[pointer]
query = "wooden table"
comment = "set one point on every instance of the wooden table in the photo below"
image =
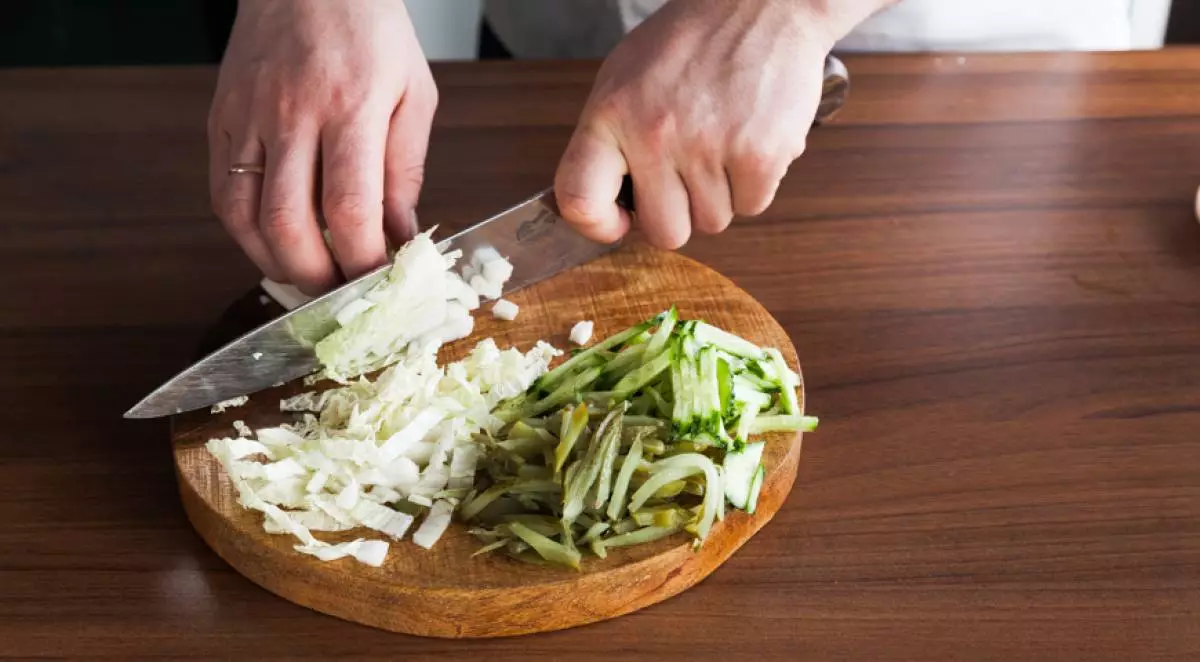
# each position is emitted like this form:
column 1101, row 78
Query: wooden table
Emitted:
column 989, row 265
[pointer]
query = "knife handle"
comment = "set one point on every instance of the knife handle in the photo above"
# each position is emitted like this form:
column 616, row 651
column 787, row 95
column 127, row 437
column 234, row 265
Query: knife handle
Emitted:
column 834, row 89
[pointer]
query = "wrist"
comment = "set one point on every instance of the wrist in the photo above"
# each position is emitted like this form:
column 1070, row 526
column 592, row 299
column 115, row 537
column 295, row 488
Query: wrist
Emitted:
column 828, row 21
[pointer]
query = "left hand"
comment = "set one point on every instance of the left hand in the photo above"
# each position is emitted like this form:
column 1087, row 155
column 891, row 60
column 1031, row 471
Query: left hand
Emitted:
column 705, row 105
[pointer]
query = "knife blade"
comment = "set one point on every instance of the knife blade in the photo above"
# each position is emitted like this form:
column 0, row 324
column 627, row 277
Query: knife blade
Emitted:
column 531, row 235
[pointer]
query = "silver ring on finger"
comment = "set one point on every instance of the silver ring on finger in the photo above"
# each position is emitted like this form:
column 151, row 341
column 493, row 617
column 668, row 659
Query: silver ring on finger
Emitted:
column 246, row 169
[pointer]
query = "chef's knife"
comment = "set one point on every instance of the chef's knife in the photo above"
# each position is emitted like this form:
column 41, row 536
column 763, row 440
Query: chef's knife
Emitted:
column 531, row 235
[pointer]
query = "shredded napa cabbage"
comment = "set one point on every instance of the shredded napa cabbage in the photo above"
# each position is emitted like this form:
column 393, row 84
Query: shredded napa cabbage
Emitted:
column 357, row 452
column 386, row 452
column 407, row 304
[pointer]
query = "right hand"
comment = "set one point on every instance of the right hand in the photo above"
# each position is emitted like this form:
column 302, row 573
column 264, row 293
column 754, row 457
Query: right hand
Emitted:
column 336, row 100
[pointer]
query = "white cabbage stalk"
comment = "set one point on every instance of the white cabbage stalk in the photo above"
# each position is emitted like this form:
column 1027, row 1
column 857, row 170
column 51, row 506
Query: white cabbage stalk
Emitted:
column 370, row 552
column 434, row 525
column 223, row 405
column 486, row 288
column 505, row 310
column 581, row 333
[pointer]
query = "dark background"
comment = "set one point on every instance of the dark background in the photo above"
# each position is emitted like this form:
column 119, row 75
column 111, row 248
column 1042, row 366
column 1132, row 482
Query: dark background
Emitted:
column 113, row 32
column 133, row 32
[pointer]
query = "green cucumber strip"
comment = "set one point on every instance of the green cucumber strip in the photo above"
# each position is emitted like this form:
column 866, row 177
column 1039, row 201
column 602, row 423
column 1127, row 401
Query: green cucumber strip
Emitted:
column 546, row 548
column 746, row 421
column 608, row 465
column 755, row 488
column 654, row 446
column 639, row 339
column 665, row 328
column 643, row 375
column 490, row 547
column 784, row 423
column 669, row 490
column 660, row 403
column 626, row 362
column 594, row 531
column 597, row 399
column 543, row 524
column 598, row 548
column 551, row 380
column 758, row 383
column 707, row 334
column 746, row 391
column 576, row 491
column 677, row 468
column 725, row 387
column 573, row 425
column 739, row 469
column 641, row 536
column 527, row 448
column 473, row 507
column 644, row 421
column 679, row 411
column 566, row 391
column 616, row 504
column 512, row 409
column 788, row 402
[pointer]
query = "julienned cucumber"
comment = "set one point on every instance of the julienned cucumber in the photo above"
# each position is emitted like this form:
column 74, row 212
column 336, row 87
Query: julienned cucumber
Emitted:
column 741, row 467
column 547, row 383
column 755, row 487
column 640, row 436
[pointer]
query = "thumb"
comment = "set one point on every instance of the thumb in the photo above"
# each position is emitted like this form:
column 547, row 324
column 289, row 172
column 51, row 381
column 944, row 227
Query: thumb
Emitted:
column 587, row 183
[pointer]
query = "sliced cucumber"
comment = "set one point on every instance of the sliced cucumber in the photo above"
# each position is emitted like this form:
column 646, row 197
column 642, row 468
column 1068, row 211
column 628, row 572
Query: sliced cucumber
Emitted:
column 746, row 421
column 787, row 402
column 549, row 381
column 755, row 487
column 659, row 341
column 740, row 470
column 641, row 376
column 784, row 423
column 707, row 334
column 566, row 391
column 746, row 392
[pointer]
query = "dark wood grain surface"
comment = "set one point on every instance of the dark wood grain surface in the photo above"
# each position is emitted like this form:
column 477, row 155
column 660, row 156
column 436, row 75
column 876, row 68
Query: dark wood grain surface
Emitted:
column 989, row 266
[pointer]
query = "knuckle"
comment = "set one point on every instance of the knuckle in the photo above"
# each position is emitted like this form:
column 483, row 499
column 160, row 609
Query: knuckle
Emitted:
column 711, row 222
column 755, row 204
column 237, row 213
column 760, row 162
column 673, row 242
column 576, row 208
column 426, row 92
column 351, row 210
column 754, row 207
column 412, row 173
column 343, row 100
column 760, row 172
column 659, row 129
column 280, row 220
column 671, row 237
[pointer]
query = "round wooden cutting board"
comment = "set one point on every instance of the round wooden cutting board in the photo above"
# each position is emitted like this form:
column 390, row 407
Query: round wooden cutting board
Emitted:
column 444, row 592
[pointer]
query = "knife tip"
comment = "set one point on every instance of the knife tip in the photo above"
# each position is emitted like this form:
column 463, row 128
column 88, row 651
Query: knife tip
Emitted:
column 145, row 409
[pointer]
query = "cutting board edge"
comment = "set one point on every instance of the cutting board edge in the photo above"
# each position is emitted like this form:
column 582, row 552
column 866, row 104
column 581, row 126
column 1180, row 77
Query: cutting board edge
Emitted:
column 682, row 567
